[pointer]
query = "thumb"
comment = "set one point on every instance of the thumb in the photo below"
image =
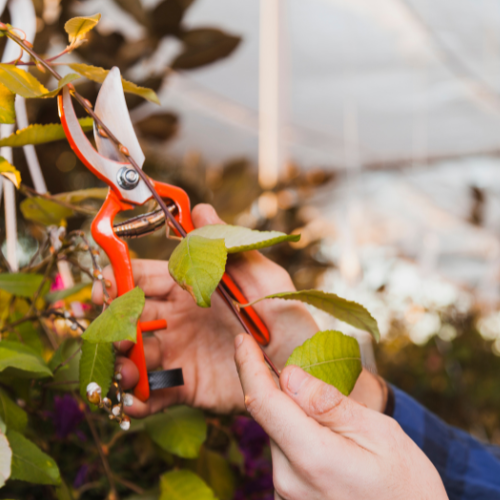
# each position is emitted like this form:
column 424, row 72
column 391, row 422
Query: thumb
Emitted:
column 324, row 403
column 204, row 214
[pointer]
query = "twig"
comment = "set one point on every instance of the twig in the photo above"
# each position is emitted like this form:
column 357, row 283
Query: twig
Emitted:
column 65, row 362
column 18, row 62
column 38, row 252
column 104, row 460
column 129, row 485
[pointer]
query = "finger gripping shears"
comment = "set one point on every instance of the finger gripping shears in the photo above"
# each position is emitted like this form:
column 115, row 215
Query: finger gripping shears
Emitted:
column 126, row 190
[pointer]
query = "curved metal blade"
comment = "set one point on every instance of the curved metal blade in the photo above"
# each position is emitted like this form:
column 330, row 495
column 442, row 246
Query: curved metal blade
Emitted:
column 112, row 109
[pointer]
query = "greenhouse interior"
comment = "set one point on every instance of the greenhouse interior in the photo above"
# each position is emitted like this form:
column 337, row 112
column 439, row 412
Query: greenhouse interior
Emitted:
column 356, row 144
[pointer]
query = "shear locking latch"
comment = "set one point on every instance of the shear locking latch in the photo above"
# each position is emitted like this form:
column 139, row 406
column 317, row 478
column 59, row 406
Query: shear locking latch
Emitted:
column 165, row 379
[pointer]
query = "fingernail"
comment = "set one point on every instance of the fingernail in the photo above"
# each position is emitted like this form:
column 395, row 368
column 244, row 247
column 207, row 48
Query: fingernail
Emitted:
column 238, row 340
column 295, row 380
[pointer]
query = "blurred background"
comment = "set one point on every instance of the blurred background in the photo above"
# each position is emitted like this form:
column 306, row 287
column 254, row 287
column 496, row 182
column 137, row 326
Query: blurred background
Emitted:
column 371, row 128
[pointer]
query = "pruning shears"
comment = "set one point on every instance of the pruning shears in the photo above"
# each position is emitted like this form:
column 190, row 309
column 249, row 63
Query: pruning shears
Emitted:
column 126, row 190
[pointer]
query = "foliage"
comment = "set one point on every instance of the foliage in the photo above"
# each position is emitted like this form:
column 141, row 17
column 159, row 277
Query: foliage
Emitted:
column 332, row 357
column 57, row 358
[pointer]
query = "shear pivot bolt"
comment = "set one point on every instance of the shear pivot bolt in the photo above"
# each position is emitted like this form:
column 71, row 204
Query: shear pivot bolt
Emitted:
column 127, row 178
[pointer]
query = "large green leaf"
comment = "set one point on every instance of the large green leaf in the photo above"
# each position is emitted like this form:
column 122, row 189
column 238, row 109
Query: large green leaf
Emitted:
column 40, row 134
column 99, row 74
column 198, row 264
column 184, row 485
column 241, row 239
column 21, row 82
column 21, row 360
column 97, row 365
column 7, row 110
column 70, row 350
column 10, row 172
column 77, row 27
column 44, row 211
column 216, row 471
column 21, row 284
column 29, row 463
column 119, row 320
column 332, row 357
column 5, row 457
column 180, row 430
column 14, row 417
column 344, row 310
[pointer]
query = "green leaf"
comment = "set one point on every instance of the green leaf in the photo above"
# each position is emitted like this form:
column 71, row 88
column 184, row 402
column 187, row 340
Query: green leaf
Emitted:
column 197, row 265
column 14, row 417
column 22, row 361
column 44, row 211
column 204, row 46
column 67, row 292
column 119, row 320
column 77, row 27
column 10, row 172
column 21, row 82
column 31, row 464
column 215, row 470
column 345, row 310
column 63, row 492
column 184, row 485
column 40, row 134
column 97, row 365
column 180, row 430
column 332, row 357
column 99, row 74
column 70, row 372
column 21, row 284
column 61, row 83
column 242, row 239
column 7, row 109
column 5, row 459
column 25, row 333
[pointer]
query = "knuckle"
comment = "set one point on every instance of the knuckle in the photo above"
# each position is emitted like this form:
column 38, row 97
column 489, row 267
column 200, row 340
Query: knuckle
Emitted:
column 254, row 405
column 326, row 399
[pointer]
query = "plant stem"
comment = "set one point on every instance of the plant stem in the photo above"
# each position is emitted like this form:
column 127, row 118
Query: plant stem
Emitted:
column 104, row 460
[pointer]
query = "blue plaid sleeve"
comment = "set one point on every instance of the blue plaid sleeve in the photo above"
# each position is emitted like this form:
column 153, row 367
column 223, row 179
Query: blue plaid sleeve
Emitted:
column 469, row 469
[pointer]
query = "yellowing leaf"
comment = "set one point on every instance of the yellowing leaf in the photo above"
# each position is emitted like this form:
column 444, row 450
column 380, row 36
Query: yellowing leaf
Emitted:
column 345, row 310
column 197, row 265
column 21, row 82
column 40, row 134
column 99, row 74
column 184, row 485
column 61, row 83
column 10, row 172
column 44, row 211
column 119, row 320
column 78, row 27
column 7, row 111
column 332, row 357
column 67, row 292
column 242, row 239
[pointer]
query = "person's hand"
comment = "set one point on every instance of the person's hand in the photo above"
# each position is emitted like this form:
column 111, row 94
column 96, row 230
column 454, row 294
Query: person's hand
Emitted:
column 201, row 340
column 326, row 446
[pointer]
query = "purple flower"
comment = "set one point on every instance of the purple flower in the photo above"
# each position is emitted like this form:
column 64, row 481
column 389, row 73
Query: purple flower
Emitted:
column 66, row 416
column 81, row 477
